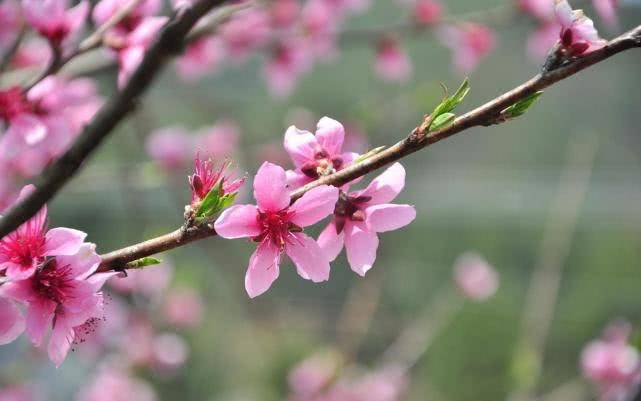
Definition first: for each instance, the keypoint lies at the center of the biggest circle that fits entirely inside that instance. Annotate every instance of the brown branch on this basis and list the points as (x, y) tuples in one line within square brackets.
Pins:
[(169, 42), (418, 139)]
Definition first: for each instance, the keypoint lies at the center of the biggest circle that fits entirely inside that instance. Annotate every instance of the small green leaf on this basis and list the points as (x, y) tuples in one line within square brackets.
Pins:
[(442, 121), (143, 262), (449, 103), (519, 108), (368, 154), (211, 201)]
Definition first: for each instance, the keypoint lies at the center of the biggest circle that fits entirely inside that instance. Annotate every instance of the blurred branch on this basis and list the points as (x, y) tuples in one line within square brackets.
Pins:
[(418, 139), (543, 292), (169, 43)]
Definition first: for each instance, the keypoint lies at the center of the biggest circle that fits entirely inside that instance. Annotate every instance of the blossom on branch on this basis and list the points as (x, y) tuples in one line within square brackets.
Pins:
[(578, 35), (392, 62), (359, 216), (54, 20), (208, 178), (277, 227), (469, 42)]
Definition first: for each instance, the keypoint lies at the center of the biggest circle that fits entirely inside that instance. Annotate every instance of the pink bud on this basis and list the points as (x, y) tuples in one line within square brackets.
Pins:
[(427, 12), (392, 62), (475, 278)]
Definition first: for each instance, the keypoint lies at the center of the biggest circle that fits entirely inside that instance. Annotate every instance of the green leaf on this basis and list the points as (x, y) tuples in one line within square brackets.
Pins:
[(142, 262), (442, 121), (211, 201), (368, 154), (449, 103), (519, 108)]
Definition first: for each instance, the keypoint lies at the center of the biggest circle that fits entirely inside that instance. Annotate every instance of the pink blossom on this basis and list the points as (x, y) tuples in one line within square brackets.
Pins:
[(149, 282), (427, 12), (114, 383), (62, 294), (16, 393), (277, 227), (34, 52), (284, 13), (207, 176), (360, 215), (319, 23), (312, 375), (475, 277), (612, 364), (170, 352), (219, 140), (53, 20), (11, 322), (607, 10), (23, 250), (201, 57), (578, 35), (105, 9), (19, 115), (288, 61), (542, 40), (9, 22), (316, 155), (245, 31), (170, 147), (540, 9), (183, 308), (469, 42), (392, 62)]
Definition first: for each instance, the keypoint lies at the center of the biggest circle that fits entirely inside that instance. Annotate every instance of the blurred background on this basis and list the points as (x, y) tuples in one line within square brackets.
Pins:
[(551, 200)]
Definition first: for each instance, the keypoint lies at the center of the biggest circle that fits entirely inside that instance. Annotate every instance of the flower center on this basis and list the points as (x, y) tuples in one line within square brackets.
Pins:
[(53, 281), (322, 165), (23, 250), (276, 227), (13, 103), (349, 208)]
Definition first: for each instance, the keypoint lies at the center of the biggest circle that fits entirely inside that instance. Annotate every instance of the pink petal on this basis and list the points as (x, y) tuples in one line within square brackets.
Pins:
[(263, 269), (21, 291), (330, 241), (39, 316), (63, 241), (28, 127), (360, 246), (11, 321), (81, 297), (146, 32), (310, 260), (270, 188), (388, 217), (385, 187), (238, 221), (60, 343), (129, 59), (314, 205), (301, 145), (296, 179), (563, 12), (99, 279), (330, 135), (17, 272), (83, 263), (77, 15)]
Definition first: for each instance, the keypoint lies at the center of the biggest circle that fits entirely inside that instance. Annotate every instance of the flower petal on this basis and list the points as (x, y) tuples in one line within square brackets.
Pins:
[(263, 269), (270, 188), (11, 321), (314, 205), (310, 260), (60, 343), (385, 187), (83, 263), (28, 127), (238, 221), (330, 134), (330, 241), (63, 241), (388, 217), (39, 316), (99, 279), (360, 246), (17, 272), (301, 145), (296, 179)]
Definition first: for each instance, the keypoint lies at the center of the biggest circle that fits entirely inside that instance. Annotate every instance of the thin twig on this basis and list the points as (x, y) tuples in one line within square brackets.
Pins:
[(418, 139)]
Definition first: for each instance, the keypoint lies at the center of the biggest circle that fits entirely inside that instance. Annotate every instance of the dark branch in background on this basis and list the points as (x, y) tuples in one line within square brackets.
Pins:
[(487, 114), (169, 43)]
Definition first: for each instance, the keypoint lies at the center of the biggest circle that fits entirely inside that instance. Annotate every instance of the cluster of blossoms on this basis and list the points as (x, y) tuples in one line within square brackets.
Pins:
[(52, 273), (612, 363)]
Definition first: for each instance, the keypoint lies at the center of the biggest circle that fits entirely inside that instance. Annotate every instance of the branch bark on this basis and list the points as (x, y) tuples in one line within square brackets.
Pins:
[(418, 139), (169, 42)]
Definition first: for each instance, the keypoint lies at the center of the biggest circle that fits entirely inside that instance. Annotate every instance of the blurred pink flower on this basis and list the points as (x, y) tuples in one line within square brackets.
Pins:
[(392, 62), (245, 31), (607, 10), (475, 278), (316, 155), (53, 20), (319, 23), (170, 147), (578, 35), (64, 294), (469, 42), (277, 227), (219, 140), (33, 52), (201, 57), (427, 12), (612, 363), (183, 308), (12, 322), (16, 393), (542, 40), (312, 375), (286, 63), (360, 215), (541, 9), (105, 9), (26, 248), (19, 116), (132, 49), (284, 13), (206, 176), (170, 352), (115, 383), (9, 22), (148, 282)]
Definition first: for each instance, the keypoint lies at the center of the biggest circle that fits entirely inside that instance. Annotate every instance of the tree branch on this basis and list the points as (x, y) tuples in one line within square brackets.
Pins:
[(169, 42), (419, 138)]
